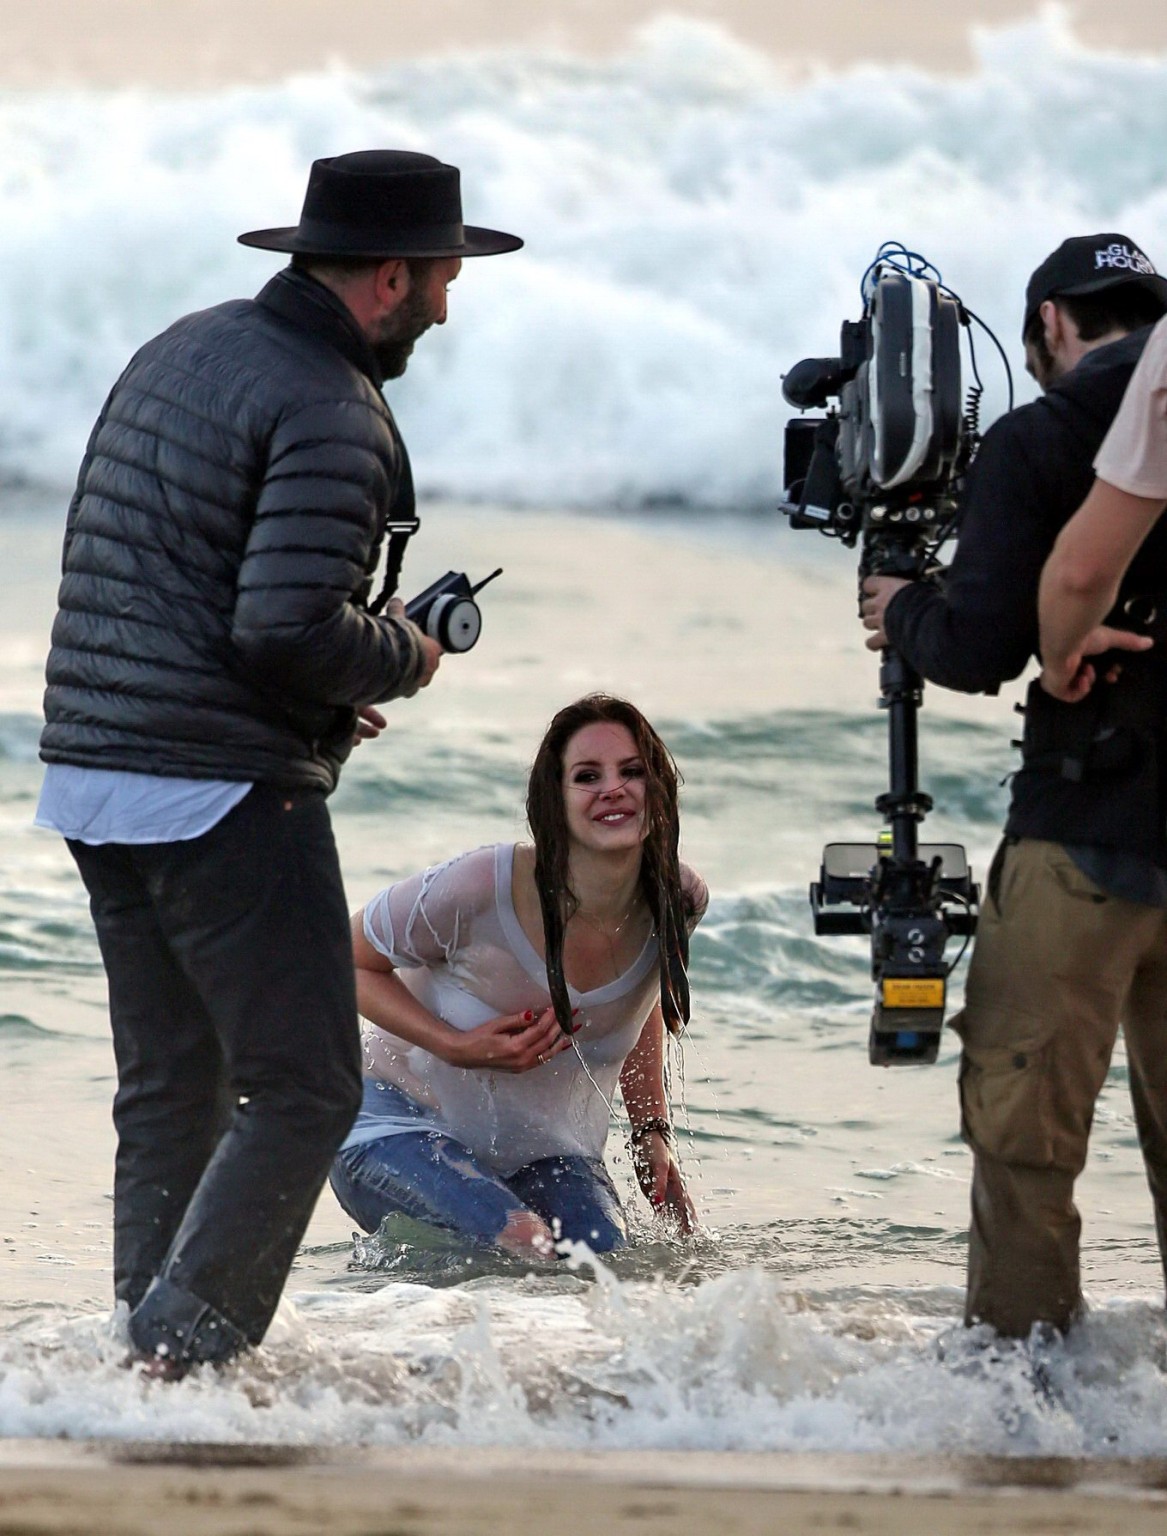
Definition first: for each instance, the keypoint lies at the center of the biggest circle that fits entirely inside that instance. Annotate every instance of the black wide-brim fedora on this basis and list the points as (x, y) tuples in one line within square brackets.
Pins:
[(379, 204)]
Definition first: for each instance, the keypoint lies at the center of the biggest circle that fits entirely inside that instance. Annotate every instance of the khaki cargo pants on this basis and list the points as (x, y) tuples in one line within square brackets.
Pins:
[(1057, 966)]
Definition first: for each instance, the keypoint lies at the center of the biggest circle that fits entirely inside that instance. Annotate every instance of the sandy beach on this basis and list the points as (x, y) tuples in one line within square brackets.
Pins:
[(189, 44), (135, 1490)]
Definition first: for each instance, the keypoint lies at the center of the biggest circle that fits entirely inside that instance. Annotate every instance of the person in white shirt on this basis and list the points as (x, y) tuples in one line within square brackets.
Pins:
[(510, 990), (1080, 582)]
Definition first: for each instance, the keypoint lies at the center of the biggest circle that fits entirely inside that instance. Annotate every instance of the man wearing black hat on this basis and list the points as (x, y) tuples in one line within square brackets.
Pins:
[(214, 658), (1055, 968)]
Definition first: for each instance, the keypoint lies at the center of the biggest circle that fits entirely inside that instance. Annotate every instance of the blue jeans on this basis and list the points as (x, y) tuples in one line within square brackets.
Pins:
[(432, 1177)]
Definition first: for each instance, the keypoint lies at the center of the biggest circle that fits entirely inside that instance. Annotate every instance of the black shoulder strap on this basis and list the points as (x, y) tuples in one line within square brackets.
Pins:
[(399, 536), (401, 525)]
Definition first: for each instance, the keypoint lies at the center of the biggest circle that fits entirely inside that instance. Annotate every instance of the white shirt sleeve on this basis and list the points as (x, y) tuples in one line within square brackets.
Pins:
[(423, 920), (1133, 456)]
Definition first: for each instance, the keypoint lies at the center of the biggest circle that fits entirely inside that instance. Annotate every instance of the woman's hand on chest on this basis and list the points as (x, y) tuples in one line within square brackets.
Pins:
[(513, 1042)]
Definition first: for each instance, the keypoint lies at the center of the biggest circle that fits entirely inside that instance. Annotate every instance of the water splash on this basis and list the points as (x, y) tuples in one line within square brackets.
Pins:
[(740, 1362)]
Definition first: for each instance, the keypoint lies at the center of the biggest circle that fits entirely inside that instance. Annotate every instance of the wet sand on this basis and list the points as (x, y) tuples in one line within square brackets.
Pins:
[(140, 1489), (201, 43)]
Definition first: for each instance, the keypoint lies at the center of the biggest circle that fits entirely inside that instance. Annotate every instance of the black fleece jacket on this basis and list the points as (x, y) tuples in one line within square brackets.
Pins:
[(220, 547)]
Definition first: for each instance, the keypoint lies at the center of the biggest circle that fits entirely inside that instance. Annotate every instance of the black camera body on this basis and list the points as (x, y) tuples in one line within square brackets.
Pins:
[(883, 466), (447, 612), (882, 463)]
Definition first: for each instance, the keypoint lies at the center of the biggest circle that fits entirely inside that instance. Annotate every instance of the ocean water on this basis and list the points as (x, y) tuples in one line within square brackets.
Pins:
[(601, 418)]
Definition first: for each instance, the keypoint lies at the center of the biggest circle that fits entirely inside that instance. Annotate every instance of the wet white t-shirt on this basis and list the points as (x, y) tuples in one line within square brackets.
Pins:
[(453, 933), (1133, 456)]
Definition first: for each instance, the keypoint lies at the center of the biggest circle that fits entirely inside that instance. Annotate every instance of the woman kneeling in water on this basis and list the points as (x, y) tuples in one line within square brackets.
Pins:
[(509, 990)]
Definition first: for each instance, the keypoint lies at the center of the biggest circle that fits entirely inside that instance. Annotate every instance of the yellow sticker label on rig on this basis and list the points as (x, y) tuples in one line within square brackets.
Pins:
[(913, 992)]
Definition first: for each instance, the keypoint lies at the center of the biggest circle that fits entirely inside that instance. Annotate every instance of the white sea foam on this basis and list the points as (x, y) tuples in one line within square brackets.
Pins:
[(739, 1363), (696, 221)]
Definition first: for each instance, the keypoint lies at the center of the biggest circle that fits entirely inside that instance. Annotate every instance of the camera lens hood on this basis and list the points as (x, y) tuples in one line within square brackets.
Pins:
[(812, 382)]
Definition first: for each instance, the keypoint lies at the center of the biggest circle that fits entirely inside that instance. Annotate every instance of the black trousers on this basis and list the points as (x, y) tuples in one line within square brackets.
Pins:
[(234, 1019)]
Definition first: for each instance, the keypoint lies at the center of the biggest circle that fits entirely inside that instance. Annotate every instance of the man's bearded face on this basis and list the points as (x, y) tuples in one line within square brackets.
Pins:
[(396, 333)]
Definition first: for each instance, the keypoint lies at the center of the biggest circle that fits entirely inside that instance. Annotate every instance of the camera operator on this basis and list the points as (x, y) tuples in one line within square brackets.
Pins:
[(214, 657), (1084, 855)]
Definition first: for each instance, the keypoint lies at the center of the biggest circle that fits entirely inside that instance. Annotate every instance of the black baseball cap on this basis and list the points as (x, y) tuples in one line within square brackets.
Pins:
[(1090, 264)]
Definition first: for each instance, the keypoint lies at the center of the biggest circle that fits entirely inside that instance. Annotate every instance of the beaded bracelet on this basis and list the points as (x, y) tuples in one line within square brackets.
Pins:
[(660, 1126)]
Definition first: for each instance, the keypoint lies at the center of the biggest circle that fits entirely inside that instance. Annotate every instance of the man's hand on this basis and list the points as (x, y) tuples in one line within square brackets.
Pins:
[(660, 1180), (1073, 679), (875, 594), (370, 723), (431, 650)]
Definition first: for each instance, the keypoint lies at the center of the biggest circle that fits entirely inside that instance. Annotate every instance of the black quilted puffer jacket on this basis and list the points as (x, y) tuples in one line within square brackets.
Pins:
[(220, 548)]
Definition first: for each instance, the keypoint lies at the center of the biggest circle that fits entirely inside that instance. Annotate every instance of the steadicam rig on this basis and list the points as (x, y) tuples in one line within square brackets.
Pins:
[(447, 612), (884, 467)]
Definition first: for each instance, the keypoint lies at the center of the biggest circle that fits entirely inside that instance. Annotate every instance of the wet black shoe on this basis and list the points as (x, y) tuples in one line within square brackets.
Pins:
[(157, 1367)]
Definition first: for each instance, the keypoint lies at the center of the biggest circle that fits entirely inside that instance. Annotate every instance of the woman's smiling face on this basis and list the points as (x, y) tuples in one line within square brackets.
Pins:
[(604, 788)]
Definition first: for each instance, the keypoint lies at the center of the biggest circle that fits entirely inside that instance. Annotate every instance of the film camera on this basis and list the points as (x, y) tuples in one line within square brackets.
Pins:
[(882, 469)]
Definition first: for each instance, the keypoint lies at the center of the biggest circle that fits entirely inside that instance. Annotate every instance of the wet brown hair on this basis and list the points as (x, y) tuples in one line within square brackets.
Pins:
[(660, 870)]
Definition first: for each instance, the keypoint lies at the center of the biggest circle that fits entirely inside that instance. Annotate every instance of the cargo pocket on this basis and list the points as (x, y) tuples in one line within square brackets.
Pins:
[(1072, 882), (1006, 1102)]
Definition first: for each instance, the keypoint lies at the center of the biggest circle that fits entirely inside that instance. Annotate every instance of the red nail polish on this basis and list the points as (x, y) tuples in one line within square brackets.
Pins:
[(528, 1016)]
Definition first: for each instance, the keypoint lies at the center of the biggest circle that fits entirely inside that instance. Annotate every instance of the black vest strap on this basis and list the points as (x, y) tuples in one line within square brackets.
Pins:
[(1109, 732)]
